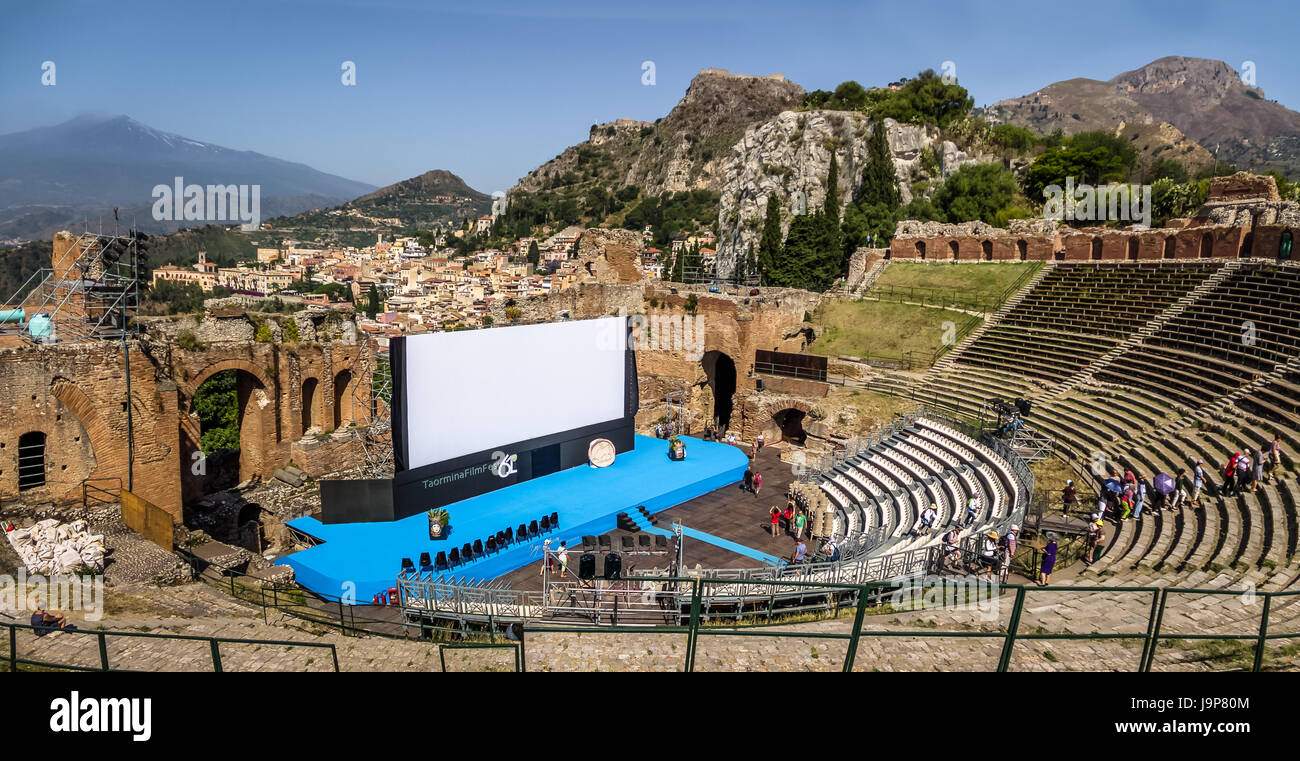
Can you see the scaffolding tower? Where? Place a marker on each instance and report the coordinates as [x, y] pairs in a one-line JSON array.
[[375, 430], [91, 292]]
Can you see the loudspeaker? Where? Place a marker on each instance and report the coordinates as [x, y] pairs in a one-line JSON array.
[[613, 566], [1023, 406], [587, 566]]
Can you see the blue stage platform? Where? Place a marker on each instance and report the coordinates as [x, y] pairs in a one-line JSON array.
[[587, 499]]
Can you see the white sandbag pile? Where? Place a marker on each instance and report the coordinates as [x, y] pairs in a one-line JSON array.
[[51, 547]]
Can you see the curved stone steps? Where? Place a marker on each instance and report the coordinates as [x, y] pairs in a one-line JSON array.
[[1276, 537]]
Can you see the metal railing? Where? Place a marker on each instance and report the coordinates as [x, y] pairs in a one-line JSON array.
[[699, 621], [15, 659], [92, 492]]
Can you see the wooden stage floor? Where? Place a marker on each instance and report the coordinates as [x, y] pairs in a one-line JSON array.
[[730, 513]]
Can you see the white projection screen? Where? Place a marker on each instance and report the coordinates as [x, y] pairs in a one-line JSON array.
[[473, 390]]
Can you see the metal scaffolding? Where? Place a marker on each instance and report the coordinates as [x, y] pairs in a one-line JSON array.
[[92, 297], [375, 430]]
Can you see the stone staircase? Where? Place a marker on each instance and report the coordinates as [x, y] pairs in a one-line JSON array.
[[951, 357], [1146, 331], [869, 278]]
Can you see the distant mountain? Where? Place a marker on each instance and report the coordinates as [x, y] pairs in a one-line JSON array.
[[1204, 101], [435, 198], [419, 190], [53, 177]]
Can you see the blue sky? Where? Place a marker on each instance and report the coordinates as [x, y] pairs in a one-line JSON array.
[[491, 90]]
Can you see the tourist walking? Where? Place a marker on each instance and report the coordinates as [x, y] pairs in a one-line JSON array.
[[749, 479], [1275, 455], [563, 557], [1245, 469], [758, 483], [1008, 545], [800, 549], [1258, 475], [989, 555], [1068, 497], [550, 558], [928, 517], [1049, 560], [759, 445], [952, 550], [775, 519], [1140, 497], [1198, 482], [800, 521], [787, 519], [1230, 476], [972, 509], [1094, 538]]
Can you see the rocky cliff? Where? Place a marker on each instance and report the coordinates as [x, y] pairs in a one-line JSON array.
[[685, 150], [790, 155]]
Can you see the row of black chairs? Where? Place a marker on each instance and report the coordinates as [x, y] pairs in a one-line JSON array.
[[480, 548], [592, 543]]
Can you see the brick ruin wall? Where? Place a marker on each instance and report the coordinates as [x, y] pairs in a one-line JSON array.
[[686, 359], [1243, 216], [75, 394]]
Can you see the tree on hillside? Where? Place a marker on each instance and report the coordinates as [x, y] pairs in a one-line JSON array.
[[925, 100], [976, 191], [769, 245], [879, 178], [871, 218], [1089, 157], [534, 254]]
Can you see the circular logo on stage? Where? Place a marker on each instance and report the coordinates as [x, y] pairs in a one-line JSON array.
[[600, 453]]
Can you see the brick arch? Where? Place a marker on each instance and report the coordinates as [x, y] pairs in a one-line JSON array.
[[194, 382], [259, 430], [110, 457]]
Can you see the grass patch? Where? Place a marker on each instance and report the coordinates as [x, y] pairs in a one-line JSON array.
[[971, 283], [881, 328], [873, 408]]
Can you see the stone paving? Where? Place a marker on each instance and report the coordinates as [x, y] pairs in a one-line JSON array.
[[202, 610]]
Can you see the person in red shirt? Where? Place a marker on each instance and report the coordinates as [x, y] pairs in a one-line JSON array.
[[787, 519], [775, 519]]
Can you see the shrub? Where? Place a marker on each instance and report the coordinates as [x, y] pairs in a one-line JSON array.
[[290, 328], [263, 334], [188, 341]]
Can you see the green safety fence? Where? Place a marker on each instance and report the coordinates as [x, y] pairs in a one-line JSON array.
[[697, 625], [14, 658]]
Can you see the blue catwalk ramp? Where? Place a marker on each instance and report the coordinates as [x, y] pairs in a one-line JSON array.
[[588, 500], [716, 541]]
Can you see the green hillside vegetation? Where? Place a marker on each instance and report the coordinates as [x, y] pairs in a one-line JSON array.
[[18, 263]]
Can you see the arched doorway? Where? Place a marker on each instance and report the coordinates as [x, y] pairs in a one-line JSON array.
[[920, 249], [1133, 249], [952, 250], [987, 248], [309, 404], [342, 399], [720, 369], [1096, 249], [790, 421], [1207, 246], [1247, 243], [1022, 249], [1169, 247], [248, 527], [228, 432]]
